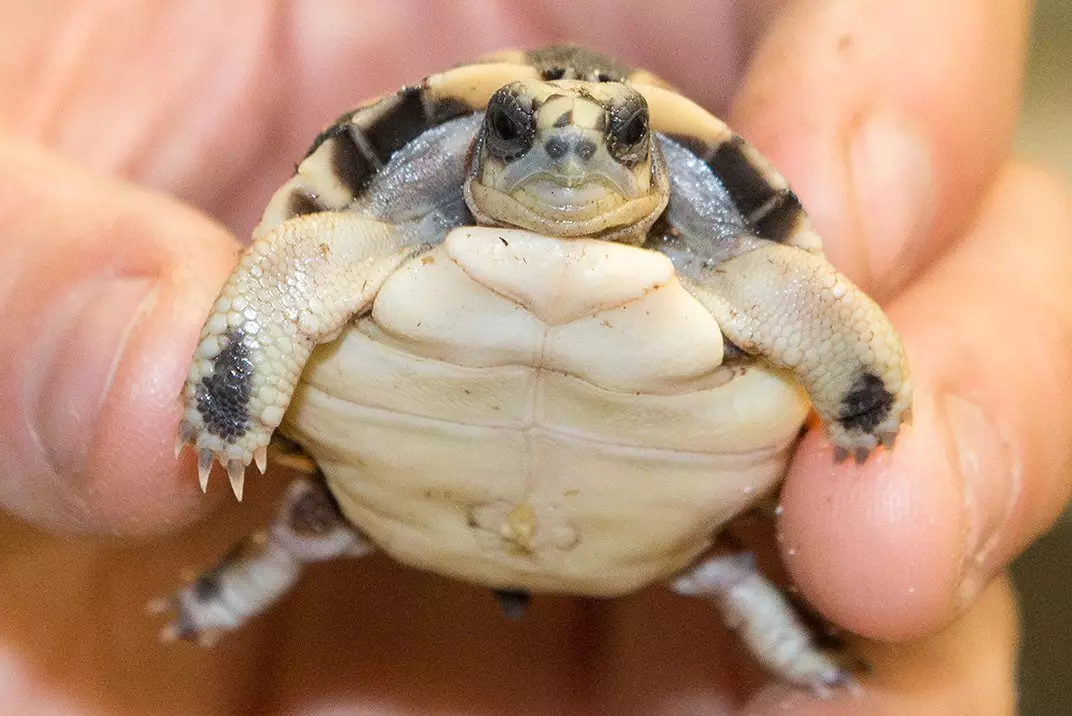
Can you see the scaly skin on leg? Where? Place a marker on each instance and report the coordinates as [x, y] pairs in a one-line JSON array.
[[755, 608], [261, 568], [795, 309], [294, 288]]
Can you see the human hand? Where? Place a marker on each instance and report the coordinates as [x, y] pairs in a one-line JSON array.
[[892, 122]]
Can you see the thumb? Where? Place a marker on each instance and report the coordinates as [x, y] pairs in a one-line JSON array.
[[103, 287], [899, 546]]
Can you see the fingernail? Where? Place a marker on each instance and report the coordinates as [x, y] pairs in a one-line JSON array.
[[990, 488], [893, 180], [81, 342]]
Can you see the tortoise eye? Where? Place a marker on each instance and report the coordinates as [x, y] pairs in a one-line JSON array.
[[504, 127], [634, 128], [509, 127], [628, 135]]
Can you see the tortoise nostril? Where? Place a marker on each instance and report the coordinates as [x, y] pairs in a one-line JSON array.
[[584, 148], [556, 147]]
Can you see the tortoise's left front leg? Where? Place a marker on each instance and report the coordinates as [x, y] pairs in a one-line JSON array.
[[793, 308], [262, 567]]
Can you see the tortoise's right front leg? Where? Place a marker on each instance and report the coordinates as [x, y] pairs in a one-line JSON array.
[[294, 288], [262, 567]]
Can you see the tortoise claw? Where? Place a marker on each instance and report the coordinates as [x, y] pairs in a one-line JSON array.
[[204, 467], [260, 456], [236, 473]]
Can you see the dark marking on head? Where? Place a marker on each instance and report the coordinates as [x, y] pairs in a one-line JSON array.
[[402, 121], [314, 513], [747, 185], [349, 164], [575, 62], [693, 144], [301, 203], [866, 405], [513, 602], [564, 120], [778, 221], [223, 397]]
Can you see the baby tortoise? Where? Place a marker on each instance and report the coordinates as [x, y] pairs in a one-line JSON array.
[[539, 323]]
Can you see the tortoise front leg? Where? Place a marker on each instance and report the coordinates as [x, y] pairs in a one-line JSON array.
[[262, 567], [294, 288], [755, 608], [796, 310]]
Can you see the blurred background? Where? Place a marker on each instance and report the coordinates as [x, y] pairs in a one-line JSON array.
[[1044, 574]]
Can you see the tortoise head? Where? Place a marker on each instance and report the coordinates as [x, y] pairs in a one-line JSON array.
[[568, 158]]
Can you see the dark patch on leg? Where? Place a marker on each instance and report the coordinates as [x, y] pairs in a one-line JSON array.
[[223, 397], [746, 184], [695, 145], [866, 405], [779, 219], [513, 602], [402, 121], [349, 165], [564, 120], [301, 203], [314, 512]]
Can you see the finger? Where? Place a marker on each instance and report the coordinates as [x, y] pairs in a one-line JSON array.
[[102, 289], [897, 547], [967, 668], [889, 119]]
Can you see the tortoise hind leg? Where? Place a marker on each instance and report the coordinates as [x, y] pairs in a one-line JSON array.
[[262, 567], [766, 622]]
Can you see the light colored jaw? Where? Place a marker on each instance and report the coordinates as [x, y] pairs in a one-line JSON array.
[[612, 217]]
